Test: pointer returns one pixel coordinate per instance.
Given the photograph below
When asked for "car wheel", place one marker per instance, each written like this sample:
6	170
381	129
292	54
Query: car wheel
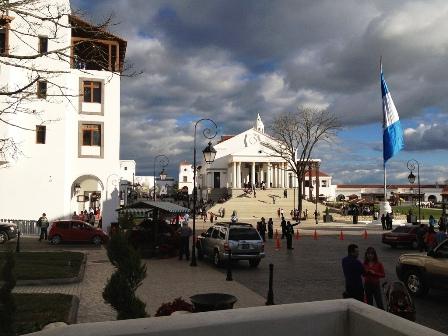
415	283
3	237
216	259
55	240
97	240
254	262
414	245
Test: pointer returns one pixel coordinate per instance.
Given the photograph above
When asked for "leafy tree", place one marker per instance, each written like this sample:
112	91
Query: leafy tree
7	304
130	272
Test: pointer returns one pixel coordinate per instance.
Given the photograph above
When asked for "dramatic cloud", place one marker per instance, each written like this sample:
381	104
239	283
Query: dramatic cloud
229	60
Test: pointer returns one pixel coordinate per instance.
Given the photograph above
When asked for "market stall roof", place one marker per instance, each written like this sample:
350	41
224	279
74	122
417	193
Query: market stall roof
147	206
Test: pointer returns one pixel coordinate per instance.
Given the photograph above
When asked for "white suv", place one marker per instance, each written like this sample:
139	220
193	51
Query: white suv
242	240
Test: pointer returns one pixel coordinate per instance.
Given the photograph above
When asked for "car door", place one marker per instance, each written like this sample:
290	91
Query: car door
212	241
85	232
205	242
437	267
75	233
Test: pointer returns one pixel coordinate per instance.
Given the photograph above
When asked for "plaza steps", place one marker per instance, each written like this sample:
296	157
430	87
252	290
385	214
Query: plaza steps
217	194
248	207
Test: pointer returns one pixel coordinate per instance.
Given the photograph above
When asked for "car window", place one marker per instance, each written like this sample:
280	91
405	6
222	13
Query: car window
215	233
442	251
62	225
209	231
222	233
76	225
403	229
243	234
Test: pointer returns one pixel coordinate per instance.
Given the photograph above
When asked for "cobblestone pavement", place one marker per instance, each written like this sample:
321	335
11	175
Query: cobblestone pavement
312	272
166	280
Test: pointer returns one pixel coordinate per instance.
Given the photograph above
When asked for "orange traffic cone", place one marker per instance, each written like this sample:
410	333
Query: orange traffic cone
277	244
297	235
341	236
276	234
365	234
315	237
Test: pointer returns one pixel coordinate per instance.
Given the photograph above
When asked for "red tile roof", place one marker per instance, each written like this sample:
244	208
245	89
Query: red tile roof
313	173
225	137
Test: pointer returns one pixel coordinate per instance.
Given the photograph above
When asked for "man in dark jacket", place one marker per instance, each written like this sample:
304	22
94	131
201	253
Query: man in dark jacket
353	271
289	234
283	225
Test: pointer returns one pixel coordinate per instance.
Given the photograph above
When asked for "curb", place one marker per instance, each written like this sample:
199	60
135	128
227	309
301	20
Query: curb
63	281
73	313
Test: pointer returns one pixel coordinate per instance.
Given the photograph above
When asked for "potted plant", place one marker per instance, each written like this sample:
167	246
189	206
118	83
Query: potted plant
179	304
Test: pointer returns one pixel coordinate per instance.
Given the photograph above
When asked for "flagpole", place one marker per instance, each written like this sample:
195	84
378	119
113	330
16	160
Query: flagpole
384	123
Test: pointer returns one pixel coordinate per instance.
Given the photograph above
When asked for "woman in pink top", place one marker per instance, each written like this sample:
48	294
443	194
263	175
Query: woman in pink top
374	271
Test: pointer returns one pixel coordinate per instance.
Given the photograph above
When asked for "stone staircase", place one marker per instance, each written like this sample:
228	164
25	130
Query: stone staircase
248	207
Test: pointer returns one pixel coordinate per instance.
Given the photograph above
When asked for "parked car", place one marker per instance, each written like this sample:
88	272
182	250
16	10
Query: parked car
241	239
402	235
420	271
75	231
8	231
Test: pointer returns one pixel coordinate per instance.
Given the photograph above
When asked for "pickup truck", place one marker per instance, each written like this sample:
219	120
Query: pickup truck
422	271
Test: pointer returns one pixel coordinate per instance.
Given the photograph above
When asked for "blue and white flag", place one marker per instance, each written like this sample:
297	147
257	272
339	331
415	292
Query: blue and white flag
393	134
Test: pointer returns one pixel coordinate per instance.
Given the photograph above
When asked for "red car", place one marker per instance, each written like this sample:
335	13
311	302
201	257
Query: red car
402	235
75	231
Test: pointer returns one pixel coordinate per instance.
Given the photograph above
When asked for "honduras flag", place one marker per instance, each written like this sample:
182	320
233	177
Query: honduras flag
393	134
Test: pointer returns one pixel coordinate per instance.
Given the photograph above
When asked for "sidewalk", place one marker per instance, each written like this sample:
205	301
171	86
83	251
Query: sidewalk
166	280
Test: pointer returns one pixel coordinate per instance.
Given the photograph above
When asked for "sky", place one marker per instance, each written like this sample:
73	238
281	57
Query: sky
229	60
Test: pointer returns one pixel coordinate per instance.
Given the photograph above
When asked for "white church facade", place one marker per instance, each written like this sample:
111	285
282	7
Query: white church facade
245	160
69	145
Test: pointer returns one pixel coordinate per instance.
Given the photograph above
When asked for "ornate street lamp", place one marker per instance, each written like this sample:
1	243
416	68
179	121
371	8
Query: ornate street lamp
163	161
209	156
411	166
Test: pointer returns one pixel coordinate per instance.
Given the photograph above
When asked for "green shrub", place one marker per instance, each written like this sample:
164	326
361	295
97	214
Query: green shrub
130	272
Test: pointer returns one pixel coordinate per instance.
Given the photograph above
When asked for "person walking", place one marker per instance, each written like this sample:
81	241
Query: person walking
388	221
285	193
234	217
421	237
383	221
263	228
430	239
254	190
43	224
353	271
270	228
374	271
185	232
289	235
283	225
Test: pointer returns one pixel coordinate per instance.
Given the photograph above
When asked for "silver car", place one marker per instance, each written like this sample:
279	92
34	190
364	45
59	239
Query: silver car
241	239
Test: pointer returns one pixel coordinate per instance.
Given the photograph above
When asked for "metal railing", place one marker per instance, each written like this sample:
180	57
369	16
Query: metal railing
26	227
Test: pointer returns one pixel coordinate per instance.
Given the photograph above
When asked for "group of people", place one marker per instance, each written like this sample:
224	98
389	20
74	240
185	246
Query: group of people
85	216
362	279
287	230
428	238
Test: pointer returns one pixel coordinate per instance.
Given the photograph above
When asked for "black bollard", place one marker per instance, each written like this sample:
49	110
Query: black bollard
18	242
270	300
229	267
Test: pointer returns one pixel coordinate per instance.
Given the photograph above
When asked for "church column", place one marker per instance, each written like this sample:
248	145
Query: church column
253	174
238	175
286	175
282	175
317	180
310	180
234	175
268	181
275	184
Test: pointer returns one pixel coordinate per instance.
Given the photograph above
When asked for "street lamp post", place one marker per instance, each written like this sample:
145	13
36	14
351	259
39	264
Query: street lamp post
209	156
163	161
411	166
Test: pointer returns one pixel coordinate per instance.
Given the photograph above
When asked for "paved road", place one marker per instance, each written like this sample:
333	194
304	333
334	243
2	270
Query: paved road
312	271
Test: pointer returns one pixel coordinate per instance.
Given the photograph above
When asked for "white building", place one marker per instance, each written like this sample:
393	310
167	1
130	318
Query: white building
186	175
245	159
71	161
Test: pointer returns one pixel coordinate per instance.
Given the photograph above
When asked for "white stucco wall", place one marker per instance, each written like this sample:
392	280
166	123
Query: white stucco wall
42	178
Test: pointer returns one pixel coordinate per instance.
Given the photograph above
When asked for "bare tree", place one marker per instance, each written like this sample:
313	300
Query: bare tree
92	47
296	136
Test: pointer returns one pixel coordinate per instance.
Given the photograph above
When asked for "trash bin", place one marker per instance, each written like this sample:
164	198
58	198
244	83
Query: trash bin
212	301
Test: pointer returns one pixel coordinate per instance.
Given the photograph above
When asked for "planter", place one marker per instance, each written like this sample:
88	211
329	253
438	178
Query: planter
212	301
